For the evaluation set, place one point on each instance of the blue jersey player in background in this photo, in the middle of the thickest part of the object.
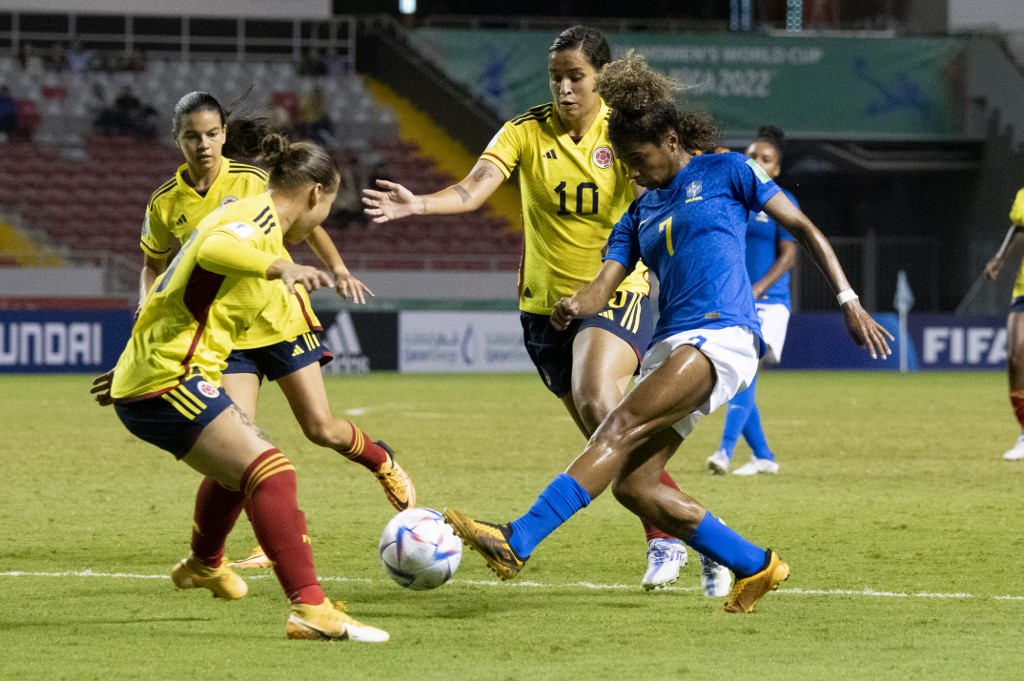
(689, 229)
(771, 253)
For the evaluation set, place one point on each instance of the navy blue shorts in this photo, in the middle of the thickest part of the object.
(1017, 305)
(628, 315)
(173, 420)
(280, 359)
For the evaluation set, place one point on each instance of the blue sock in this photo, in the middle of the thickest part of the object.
(736, 418)
(753, 433)
(556, 504)
(718, 541)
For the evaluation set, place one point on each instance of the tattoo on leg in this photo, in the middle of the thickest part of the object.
(463, 194)
(252, 424)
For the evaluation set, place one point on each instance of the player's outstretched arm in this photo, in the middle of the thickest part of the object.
(590, 299)
(864, 330)
(347, 286)
(394, 202)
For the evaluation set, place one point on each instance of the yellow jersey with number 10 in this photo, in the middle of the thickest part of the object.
(175, 210)
(573, 193)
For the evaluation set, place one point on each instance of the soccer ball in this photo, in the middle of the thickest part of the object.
(419, 550)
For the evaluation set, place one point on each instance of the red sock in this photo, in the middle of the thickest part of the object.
(269, 486)
(216, 511)
(364, 451)
(1017, 400)
(651, 531)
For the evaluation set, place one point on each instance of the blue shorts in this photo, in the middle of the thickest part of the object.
(280, 359)
(1017, 305)
(173, 420)
(628, 316)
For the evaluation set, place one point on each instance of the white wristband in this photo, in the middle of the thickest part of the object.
(846, 296)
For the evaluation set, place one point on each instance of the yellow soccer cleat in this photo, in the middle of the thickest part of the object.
(489, 540)
(397, 484)
(748, 591)
(222, 581)
(329, 622)
(257, 558)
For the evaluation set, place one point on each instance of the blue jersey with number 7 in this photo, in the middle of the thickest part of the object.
(692, 236)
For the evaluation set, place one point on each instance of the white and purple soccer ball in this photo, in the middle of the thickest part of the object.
(418, 550)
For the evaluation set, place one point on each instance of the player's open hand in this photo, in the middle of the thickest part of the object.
(866, 332)
(350, 288)
(101, 389)
(394, 203)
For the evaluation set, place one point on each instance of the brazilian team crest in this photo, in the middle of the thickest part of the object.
(603, 157)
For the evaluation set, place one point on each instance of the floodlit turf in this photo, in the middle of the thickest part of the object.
(900, 521)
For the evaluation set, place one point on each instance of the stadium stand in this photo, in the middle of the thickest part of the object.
(85, 192)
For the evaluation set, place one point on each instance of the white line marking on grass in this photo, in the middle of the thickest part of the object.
(357, 411)
(526, 584)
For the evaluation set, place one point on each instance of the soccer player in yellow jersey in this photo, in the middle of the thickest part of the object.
(573, 191)
(166, 386)
(1014, 322)
(283, 343)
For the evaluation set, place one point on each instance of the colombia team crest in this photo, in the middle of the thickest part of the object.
(228, 199)
(207, 390)
(603, 157)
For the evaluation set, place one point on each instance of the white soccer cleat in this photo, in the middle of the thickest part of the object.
(665, 558)
(755, 466)
(718, 463)
(1015, 453)
(715, 578)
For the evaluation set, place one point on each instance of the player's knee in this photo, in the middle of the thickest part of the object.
(628, 493)
(322, 431)
(593, 409)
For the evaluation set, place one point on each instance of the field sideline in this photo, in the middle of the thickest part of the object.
(893, 506)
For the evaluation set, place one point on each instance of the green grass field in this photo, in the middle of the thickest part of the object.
(900, 521)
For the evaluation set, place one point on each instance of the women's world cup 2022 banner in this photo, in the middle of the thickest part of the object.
(901, 88)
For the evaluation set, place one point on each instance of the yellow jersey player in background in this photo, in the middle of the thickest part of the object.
(1014, 322)
(573, 191)
(166, 386)
(283, 343)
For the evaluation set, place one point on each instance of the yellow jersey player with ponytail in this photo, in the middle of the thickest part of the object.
(166, 387)
(283, 343)
(573, 190)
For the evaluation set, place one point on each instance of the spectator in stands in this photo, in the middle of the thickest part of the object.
(127, 116)
(8, 114)
(314, 116)
(348, 205)
(573, 190)
(335, 66)
(76, 59)
(312, 63)
(33, 59)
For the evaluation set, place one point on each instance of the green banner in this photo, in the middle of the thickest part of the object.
(811, 87)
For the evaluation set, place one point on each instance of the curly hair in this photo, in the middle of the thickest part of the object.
(644, 107)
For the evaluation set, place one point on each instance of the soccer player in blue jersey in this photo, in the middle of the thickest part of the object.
(771, 253)
(689, 229)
